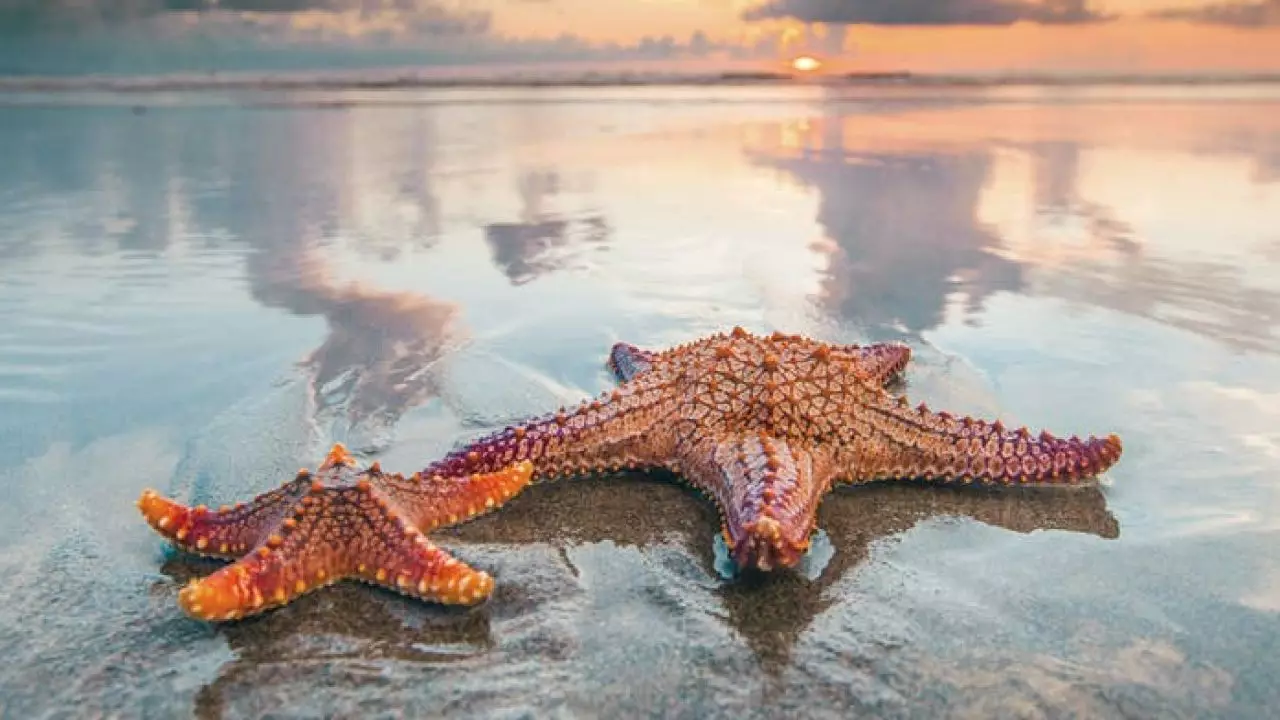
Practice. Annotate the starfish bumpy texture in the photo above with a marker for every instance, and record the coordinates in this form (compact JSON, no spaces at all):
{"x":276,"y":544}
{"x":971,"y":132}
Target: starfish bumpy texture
{"x":766,"y":425}
{"x":339,"y":522}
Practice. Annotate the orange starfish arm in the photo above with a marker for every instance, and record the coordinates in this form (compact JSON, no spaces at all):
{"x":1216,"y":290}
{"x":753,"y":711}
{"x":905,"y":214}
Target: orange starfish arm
{"x":228,"y":532}
{"x":441,"y":500}
{"x":767,"y":490}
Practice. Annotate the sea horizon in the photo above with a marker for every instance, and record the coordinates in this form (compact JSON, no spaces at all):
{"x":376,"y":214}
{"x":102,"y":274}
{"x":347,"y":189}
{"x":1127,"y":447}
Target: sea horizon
{"x":533,"y":75}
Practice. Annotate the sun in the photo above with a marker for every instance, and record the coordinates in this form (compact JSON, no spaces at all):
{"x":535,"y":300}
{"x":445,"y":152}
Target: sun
{"x":806,"y":63}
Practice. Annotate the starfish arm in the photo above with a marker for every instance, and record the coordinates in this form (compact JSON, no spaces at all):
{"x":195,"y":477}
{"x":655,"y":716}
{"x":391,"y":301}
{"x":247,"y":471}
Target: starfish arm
{"x":227,"y":532}
{"x":767,"y":490}
{"x":437,"y":500}
{"x":616,"y":431}
{"x":881,"y":362}
{"x":332,"y":534}
{"x":627,"y":361}
{"x":895,"y":441}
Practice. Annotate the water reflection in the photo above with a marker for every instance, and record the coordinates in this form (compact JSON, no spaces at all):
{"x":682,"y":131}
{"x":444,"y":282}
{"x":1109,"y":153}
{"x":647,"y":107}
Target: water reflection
{"x":376,"y":362}
{"x":904,"y":225}
{"x":938,"y":219}
{"x":192,"y":171}
{"x":542,"y":240}
{"x":342,"y":634}
{"x":774,"y":612}
{"x":286,"y":196}
{"x":1059,"y":205}
{"x":61,"y":183}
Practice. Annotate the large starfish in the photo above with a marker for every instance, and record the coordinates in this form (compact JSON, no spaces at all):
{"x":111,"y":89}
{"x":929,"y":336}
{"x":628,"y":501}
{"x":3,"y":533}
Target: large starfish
{"x":766,"y":425}
{"x":339,"y":522}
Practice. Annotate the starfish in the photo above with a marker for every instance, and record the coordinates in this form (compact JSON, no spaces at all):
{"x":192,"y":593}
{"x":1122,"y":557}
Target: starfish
{"x":766,"y":426}
{"x":339,"y":522}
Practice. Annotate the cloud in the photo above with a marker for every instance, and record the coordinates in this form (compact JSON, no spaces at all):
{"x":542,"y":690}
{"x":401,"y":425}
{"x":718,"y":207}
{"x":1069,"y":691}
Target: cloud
{"x":142,"y":37}
{"x":1235,"y":14}
{"x":39,"y":13}
{"x":413,"y":7}
{"x":424,"y":17}
{"x":928,"y":12}
{"x":39,"y":37}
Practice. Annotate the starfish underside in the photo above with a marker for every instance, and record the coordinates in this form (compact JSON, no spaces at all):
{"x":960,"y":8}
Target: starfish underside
{"x":766,"y":425}
{"x":337,"y":523}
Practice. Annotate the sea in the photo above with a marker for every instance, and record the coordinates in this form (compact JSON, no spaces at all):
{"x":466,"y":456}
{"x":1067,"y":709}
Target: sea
{"x":206,"y":283}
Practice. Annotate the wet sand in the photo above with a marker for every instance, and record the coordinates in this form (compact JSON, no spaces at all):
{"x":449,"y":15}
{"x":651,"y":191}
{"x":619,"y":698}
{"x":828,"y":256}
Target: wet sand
{"x":200,"y":298}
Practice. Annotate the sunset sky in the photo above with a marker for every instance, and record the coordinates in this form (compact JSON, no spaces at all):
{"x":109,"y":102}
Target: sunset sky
{"x":919,"y":35}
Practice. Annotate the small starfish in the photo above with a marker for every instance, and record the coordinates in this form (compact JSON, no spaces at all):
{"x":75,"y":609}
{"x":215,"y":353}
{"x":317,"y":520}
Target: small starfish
{"x":341,"y":522}
{"x":766,"y":426}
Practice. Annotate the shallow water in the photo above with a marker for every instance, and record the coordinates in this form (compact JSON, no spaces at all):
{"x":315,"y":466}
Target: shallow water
{"x":201,"y":292}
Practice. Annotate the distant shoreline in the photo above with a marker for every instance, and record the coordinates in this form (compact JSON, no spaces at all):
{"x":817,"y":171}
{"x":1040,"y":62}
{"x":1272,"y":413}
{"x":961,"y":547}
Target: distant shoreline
{"x":374,"y":80}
